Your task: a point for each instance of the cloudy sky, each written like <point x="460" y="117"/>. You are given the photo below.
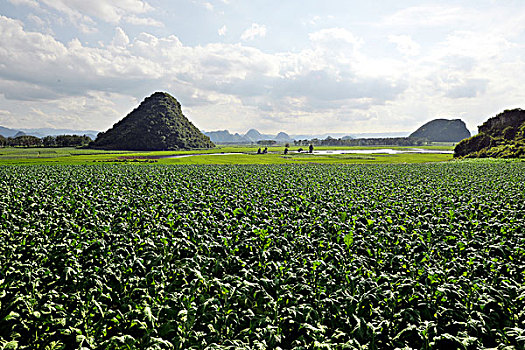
<point x="299" y="66"/>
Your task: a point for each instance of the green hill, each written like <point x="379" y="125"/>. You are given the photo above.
<point x="156" y="124"/>
<point x="442" y="130"/>
<point x="502" y="136"/>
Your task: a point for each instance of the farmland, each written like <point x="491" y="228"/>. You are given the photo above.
<point x="263" y="256"/>
<point x="218" y="155"/>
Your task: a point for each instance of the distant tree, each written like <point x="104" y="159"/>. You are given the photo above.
<point x="266" y="142"/>
<point x="386" y="141"/>
<point x="72" y="140"/>
<point x="25" y="141"/>
<point x="49" y="141"/>
<point x="3" y="141"/>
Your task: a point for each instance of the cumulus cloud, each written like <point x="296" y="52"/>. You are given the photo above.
<point x="108" y="10"/>
<point x="120" y="39"/>
<point x="405" y="45"/>
<point x="428" y="15"/>
<point x="467" y="89"/>
<point x="84" y="14"/>
<point x="256" y="30"/>
<point x="50" y="69"/>
<point x="222" y="30"/>
<point x="334" y="77"/>
<point x="334" y="35"/>
<point x="31" y="3"/>
<point x="36" y="66"/>
<point x="143" y="21"/>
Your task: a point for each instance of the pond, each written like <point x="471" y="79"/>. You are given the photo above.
<point x="319" y="152"/>
<point x="384" y="151"/>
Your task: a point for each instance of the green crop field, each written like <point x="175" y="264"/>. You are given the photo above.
<point x="218" y="155"/>
<point x="410" y="256"/>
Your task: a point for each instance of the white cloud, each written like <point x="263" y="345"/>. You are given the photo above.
<point x="83" y="13"/>
<point x="120" y="39"/>
<point x="334" y="35"/>
<point x="433" y="15"/>
<point x="341" y="44"/>
<point x="30" y="3"/>
<point x="344" y="76"/>
<point x="405" y="44"/>
<point x="256" y="30"/>
<point x="37" y="67"/>
<point x="143" y="21"/>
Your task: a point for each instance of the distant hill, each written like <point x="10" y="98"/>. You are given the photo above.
<point x="224" y="136"/>
<point x="42" y="132"/>
<point x="254" y="135"/>
<point x="282" y="136"/>
<point x="156" y="124"/>
<point x="442" y="130"/>
<point x="502" y="136"/>
<point x="6" y="132"/>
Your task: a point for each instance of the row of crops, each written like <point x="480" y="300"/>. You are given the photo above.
<point x="263" y="257"/>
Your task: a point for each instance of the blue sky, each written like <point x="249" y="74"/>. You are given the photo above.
<point x="295" y="66"/>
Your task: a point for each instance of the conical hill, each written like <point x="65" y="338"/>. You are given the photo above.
<point x="156" y="124"/>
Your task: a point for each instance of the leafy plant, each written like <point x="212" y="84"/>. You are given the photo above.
<point x="224" y="257"/>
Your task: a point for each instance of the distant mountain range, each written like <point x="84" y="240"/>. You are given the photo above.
<point x="41" y="132"/>
<point x="253" y="135"/>
<point x="6" y="132"/>
<point x="218" y="137"/>
<point x="224" y="136"/>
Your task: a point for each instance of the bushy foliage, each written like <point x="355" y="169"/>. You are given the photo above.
<point x="502" y="136"/>
<point x="245" y="257"/>
<point x="24" y="141"/>
<point x="157" y="124"/>
<point x="66" y="141"/>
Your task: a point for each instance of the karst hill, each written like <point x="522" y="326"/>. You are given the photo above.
<point x="502" y="136"/>
<point x="442" y="130"/>
<point x="156" y="124"/>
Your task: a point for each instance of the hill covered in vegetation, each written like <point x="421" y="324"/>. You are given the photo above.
<point x="156" y="124"/>
<point x="442" y="130"/>
<point x="502" y="136"/>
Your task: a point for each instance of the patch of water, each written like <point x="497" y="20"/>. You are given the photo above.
<point x="384" y="151"/>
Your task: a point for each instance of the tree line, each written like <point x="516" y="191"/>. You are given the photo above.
<point x="47" y="141"/>
<point x="379" y="141"/>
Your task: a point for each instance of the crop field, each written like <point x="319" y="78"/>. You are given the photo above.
<point x="219" y="155"/>
<point x="119" y="256"/>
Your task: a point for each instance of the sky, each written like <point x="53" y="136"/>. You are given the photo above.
<point x="298" y="66"/>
